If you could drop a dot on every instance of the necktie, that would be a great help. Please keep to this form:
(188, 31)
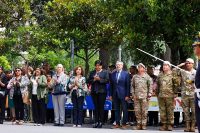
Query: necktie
(117, 76)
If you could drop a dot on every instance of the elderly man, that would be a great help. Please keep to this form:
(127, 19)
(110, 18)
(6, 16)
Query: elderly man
(120, 91)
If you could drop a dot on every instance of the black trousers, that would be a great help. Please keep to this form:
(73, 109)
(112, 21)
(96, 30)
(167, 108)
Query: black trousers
(197, 110)
(99, 101)
(38, 110)
(131, 114)
(153, 118)
(112, 114)
(19, 107)
(49, 115)
(77, 109)
(2, 107)
(176, 118)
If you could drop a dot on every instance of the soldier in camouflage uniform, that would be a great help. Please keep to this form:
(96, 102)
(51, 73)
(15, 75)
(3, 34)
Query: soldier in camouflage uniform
(141, 92)
(187, 93)
(166, 91)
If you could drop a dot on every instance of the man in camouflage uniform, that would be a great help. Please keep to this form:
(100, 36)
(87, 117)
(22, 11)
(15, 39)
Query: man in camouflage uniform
(141, 92)
(166, 91)
(187, 93)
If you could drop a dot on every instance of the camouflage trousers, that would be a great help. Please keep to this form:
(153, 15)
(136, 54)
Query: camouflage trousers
(166, 107)
(188, 106)
(141, 110)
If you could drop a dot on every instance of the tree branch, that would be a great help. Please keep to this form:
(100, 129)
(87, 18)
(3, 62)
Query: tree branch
(93, 53)
(81, 57)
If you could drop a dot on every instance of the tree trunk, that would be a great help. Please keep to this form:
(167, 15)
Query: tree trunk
(175, 56)
(104, 56)
(167, 54)
(114, 55)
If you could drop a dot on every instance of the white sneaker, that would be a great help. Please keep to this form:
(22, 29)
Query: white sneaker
(21, 122)
(79, 126)
(16, 122)
(74, 125)
(39, 125)
(35, 124)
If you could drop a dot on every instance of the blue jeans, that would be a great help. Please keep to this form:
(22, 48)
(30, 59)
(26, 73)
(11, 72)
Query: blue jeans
(77, 108)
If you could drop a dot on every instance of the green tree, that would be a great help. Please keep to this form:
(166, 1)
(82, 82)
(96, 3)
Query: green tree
(5, 63)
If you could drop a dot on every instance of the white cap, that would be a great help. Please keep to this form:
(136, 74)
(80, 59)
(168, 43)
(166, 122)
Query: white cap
(140, 64)
(190, 60)
(167, 63)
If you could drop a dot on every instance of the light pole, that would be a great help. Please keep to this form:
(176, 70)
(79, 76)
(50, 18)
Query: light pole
(120, 53)
(72, 53)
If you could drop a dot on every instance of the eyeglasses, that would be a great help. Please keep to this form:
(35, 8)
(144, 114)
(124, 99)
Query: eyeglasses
(17, 70)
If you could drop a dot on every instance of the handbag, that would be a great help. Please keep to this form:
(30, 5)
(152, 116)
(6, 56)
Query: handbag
(25, 97)
(59, 88)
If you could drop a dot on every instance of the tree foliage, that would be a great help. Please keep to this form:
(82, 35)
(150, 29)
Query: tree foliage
(45, 29)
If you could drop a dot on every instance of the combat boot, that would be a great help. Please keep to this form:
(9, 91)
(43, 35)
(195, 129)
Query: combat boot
(144, 127)
(193, 124)
(163, 128)
(187, 127)
(138, 127)
(170, 127)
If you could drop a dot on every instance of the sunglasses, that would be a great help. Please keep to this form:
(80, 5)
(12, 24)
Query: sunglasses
(17, 70)
(195, 45)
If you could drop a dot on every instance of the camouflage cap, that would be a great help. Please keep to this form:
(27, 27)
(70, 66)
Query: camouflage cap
(190, 60)
(141, 64)
(167, 63)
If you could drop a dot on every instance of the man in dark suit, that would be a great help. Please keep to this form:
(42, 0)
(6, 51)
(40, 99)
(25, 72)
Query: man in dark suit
(98, 80)
(120, 91)
(196, 47)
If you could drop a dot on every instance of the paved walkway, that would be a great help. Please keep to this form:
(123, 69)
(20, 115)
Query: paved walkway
(7, 127)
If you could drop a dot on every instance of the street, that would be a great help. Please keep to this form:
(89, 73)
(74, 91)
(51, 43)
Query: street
(48, 128)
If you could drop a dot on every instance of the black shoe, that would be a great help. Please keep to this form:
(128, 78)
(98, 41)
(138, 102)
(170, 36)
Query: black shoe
(56, 124)
(95, 125)
(1, 121)
(61, 125)
(156, 125)
(100, 125)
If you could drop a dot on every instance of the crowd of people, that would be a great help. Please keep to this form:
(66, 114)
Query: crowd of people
(26, 90)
